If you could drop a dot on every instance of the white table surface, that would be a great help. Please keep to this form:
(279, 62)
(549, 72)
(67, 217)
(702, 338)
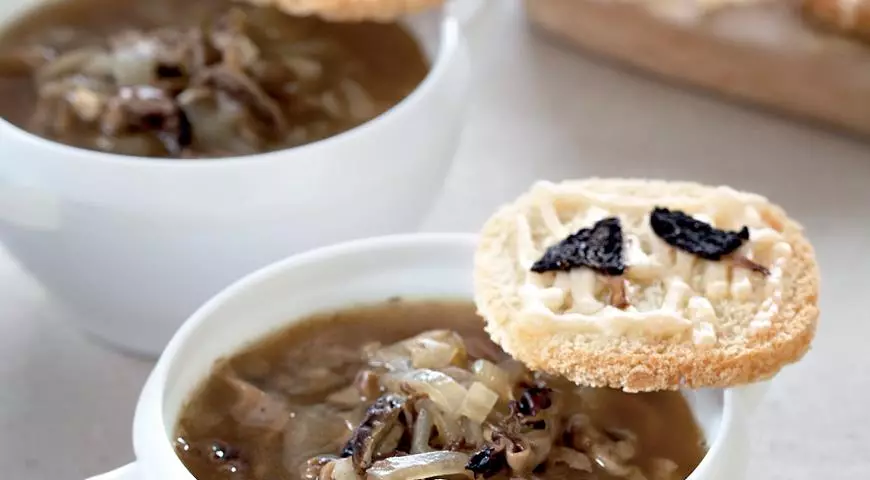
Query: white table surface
(541, 111)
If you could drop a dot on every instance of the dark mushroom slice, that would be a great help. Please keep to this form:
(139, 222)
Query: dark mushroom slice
(533, 400)
(488, 461)
(691, 235)
(600, 248)
(380, 419)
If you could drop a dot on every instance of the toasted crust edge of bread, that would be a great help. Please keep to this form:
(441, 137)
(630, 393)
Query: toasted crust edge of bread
(351, 10)
(642, 366)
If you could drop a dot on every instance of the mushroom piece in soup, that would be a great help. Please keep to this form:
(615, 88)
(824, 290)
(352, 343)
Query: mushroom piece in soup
(416, 390)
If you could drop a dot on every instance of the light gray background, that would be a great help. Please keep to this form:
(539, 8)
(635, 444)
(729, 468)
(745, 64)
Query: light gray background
(541, 111)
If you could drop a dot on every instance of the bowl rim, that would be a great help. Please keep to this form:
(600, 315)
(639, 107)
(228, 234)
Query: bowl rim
(150, 420)
(450, 40)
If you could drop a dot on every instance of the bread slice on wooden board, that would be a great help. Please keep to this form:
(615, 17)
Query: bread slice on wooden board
(351, 10)
(761, 52)
(848, 17)
(689, 321)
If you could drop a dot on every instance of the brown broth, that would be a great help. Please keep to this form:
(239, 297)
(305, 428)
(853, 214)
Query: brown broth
(383, 59)
(284, 361)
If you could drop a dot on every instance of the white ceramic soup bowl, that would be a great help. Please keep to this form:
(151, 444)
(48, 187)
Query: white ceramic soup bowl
(367, 271)
(131, 246)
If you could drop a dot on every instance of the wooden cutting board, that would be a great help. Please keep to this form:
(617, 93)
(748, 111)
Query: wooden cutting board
(762, 52)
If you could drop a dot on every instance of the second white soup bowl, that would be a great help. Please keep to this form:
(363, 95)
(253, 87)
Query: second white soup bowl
(360, 272)
(131, 246)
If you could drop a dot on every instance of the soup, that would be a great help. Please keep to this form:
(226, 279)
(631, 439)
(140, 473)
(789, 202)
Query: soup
(412, 390)
(198, 78)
